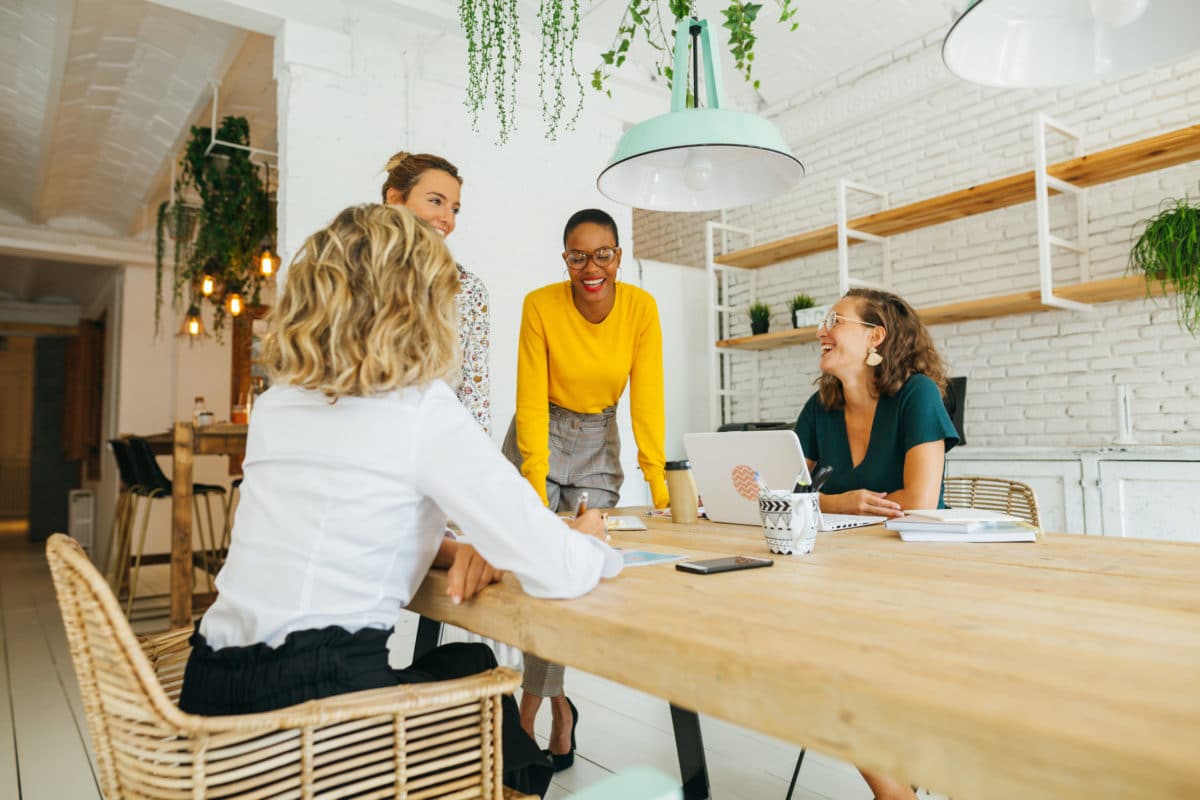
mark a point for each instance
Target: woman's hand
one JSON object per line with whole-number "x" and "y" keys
{"x": 861, "y": 501}
{"x": 592, "y": 523}
{"x": 469, "y": 574}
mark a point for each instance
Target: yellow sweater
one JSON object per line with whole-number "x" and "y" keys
{"x": 583, "y": 366}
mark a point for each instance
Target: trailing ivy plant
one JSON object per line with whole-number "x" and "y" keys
{"x": 646, "y": 17}
{"x": 234, "y": 215}
{"x": 1168, "y": 252}
{"x": 493, "y": 32}
{"x": 492, "y": 29}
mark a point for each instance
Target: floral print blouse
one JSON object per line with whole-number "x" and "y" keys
{"x": 474, "y": 336}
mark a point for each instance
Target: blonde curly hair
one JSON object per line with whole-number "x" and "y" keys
{"x": 368, "y": 307}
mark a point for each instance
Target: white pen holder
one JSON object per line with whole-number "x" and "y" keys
{"x": 789, "y": 521}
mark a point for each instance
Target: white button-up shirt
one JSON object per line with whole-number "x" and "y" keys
{"x": 344, "y": 505}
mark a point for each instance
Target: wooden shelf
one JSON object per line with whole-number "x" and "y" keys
{"x": 1129, "y": 287}
{"x": 1147, "y": 155}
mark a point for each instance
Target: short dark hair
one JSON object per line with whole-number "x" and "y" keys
{"x": 594, "y": 216}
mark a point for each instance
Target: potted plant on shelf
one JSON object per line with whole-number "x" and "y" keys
{"x": 760, "y": 318}
{"x": 801, "y": 303}
{"x": 1168, "y": 253}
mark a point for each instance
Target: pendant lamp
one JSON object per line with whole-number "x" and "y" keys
{"x": 1043, "y": 43}
{"x": 699, "y": 159}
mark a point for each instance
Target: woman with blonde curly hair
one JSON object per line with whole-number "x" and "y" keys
{"x": 878, "y": 420}
{"x": 354, "y": 458}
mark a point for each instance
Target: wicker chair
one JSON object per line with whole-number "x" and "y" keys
{"x": 993, "y": 494}
{"x": 437, "y": 740}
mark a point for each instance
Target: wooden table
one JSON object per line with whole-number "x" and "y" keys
{"x": 1063, "y": 669}
{"x": 182, "y": 445}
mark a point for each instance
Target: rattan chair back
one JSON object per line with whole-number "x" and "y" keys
{"x": 993, "y": 494}
{"x": 437, "y": 740}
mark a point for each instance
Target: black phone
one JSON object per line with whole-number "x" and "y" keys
{"x": 710, "y": 565}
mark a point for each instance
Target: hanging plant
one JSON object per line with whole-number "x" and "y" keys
{"x": 234, "y": 215}
{"x": 1168, "y": 253}
{"x": 493, "y": 36}
{"x": 492, "y": 29}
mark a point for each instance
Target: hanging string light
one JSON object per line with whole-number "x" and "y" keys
{"x": 193, "y": 324}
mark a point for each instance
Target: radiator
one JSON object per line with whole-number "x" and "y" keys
{"x": 81, "y": 517}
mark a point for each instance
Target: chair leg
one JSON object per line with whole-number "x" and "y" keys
{"x": 204, "y": 545}
{"x": 114, "y": 536}
{"x": 137, "y": 561}
{"x": 795, "y": 774}
{"x": 125, "y": 545}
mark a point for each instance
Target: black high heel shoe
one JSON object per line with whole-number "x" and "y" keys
{"x": 567, "y": 760}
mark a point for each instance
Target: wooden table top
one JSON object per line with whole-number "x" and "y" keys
{"x": 221, "y": 438}
{"x": 1066, "y": 668}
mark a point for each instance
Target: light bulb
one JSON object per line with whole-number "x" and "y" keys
{"x": 267, "y": 264}
{"x": 193, "y": 326}
{"x": 1118, "y": 13}
{"x": 697, "y": 171}
{"x": 208, "y": 285}
{"x": 234, "y": 304}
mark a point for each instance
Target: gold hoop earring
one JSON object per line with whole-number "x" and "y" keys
{"x": 873, "y": 358}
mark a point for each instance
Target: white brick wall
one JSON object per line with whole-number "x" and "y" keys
{"x": 1046, "y": 379}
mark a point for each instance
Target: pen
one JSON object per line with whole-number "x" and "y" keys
{"x": 762, "y": 487}
{"x": 583, "y": 498}
{"x": 820, "y": 477}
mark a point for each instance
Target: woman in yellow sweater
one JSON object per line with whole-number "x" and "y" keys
{"x": 581, "y": 341}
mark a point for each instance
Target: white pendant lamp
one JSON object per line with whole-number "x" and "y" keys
{"x": 1043, "y": 43}
{"x": 699, "y": 159}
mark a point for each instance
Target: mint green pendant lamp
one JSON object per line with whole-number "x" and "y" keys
{"x": 699, "y": 159}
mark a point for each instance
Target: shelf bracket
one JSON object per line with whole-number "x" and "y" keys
{"x": 1047, "y": 241}
{"x": 845, "y": 233}
{"x": 213, "y": 141}
{"x": 720, "y": 367}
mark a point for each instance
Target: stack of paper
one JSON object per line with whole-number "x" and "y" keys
{"x": 961, "y": 525}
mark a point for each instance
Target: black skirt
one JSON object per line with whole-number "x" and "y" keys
{"x": 312, "y": 664}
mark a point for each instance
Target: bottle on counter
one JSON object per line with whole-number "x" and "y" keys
{"x": 198, "y": 410}
{"x": 682, "y": 488}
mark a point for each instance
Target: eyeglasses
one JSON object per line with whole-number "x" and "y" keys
{"x": 833, "y": 319}
{"x": 578, "y": 259}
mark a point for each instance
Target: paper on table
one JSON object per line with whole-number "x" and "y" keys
{"x": 624, "y": 523}
{"x": 642, "y": 558}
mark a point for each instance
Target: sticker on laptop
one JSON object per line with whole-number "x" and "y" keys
{"x": 744, "y": 482}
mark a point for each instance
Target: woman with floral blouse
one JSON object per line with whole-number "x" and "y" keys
{"x": 429, "y": 186}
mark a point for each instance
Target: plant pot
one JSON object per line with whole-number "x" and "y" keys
{"x": 189, "y": 215}
{"x": 758, "y": 328}
{"x": 804, "y": 317}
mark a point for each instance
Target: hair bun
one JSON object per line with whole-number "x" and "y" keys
{"x": 396, "y": 160}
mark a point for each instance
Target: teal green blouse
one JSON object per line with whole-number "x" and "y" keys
{"x": 914, "y": 415}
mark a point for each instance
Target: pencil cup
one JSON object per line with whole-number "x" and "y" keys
{"x": 789, "y": 521}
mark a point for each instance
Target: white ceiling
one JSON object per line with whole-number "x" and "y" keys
{"x": 97, "y": 96}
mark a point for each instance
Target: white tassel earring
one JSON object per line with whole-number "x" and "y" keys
{"x": 873, "y": 358}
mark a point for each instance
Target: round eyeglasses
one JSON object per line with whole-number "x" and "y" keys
{"x": 833, "y": 319}
{"x": 578, "y": 259}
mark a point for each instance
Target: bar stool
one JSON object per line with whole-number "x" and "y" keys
{"x": 157, "y": 485}
{"x": 116, "y": 567}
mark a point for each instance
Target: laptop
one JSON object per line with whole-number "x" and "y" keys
{"x": 724, "y": 465}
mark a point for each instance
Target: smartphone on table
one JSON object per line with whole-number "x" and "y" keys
{"x": 709, "y": 566}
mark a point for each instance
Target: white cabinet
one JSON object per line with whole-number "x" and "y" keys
{"x": 1151, "y": 499}
{"x": 1139, "y": 492}
{"x": 1056, "y": 483}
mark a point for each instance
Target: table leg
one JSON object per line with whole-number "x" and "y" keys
{"x": 429, "y": 631}
{"x": 690, "y": 745}
{"x": 181, "y": 527}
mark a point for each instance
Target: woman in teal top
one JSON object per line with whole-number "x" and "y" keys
{"x": 877, "y": 418}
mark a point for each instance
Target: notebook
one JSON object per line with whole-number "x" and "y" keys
{"x": 962, "y": 525}
{"x": 723, "y": 465}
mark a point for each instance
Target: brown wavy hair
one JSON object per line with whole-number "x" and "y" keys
{"x": 405, "y": 169}
{"x": 368, "y": 306}
{"x": 907, "y": 349}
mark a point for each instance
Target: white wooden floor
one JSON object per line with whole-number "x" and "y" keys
{"x": 45, "y": 753}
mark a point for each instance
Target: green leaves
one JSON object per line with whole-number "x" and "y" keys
{"x": 1168, "y": 251}
{"x": 492, "y": 30}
